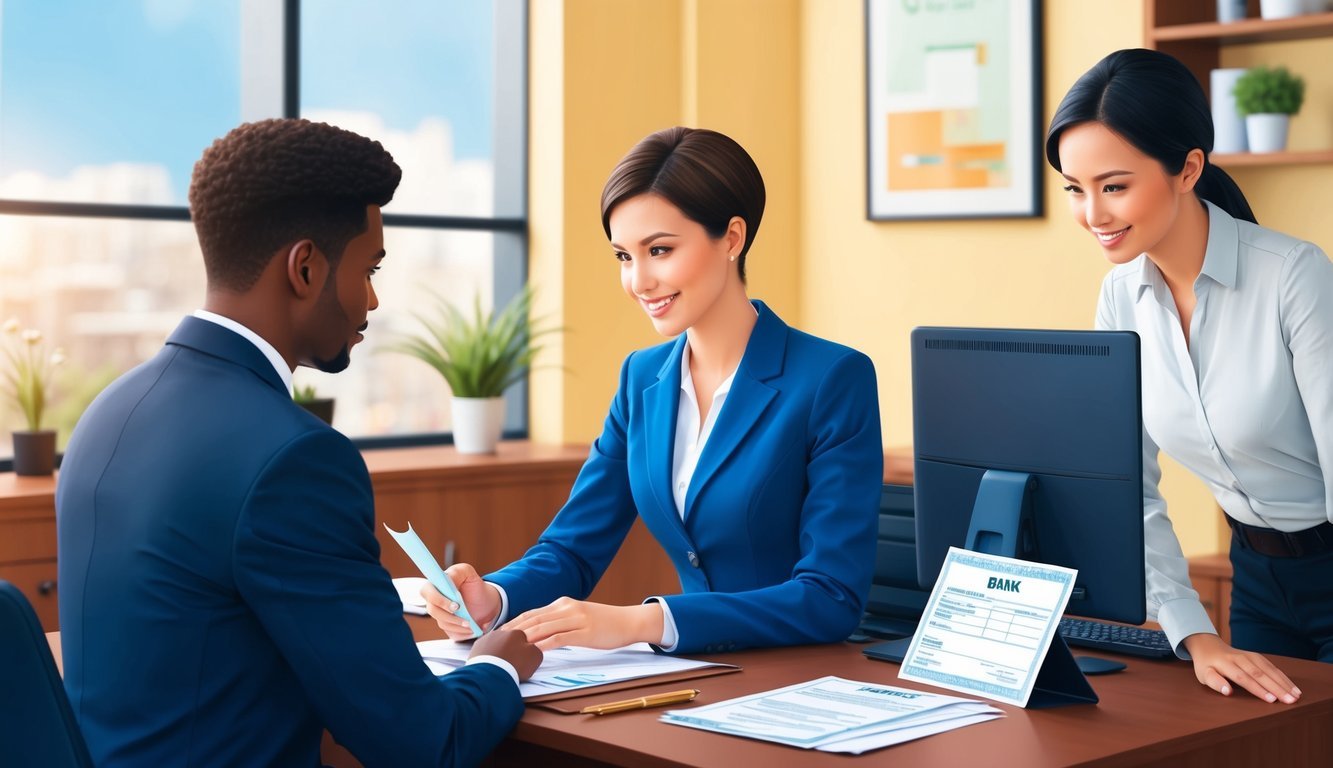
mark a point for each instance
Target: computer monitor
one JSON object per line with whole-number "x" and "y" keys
{"x": 1030, "y": 443}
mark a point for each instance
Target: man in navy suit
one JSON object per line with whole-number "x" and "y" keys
{"x": 222, "y": 599}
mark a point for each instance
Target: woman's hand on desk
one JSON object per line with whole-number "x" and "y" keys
{"x": 590, "y": 625}
{"x": 483, "y": 602}
{"x": 1216, "y": 662}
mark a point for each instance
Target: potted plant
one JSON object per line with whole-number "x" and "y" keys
{"x": 1268, "y": 98}
{"x": 479, "y": 357}
{"x": 28, "y": 377}
{"x": 320, "y": 406}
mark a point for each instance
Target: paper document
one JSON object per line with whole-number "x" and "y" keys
{"x": 836, "y": 715}
{"x": 425, "y": 562}
{"x": 987, "y": 626}
{"x": 565, "y": 669}
{"x": 409, "y": 592}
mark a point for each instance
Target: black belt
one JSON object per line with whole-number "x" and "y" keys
{"x": 1275, "y": 543}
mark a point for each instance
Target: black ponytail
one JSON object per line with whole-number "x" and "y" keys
{"x": 1218, "y": 188}
{"x": 1154, "y": 102}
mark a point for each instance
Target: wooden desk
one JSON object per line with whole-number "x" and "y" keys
{"x": 1154, "y": 713}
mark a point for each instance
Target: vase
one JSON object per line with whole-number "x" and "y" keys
{"x": 321, "y": 407}
{"x": 1267, "y": 132}
{"x": 35, "y": 452}
{"x": 1228, "y": 124}
{"x": 478, "y": 422}
{"x": 1230, "y": 10}
{"x": 1281, "y": 9}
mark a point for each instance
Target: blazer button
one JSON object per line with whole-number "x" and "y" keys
{"x": 693, "y": 558}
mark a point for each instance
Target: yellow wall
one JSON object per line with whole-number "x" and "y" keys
{"x": 606, "y": 73}
{"x": 786, "y": 78}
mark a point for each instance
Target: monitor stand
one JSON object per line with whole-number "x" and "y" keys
{"x": 1002, "y": 525}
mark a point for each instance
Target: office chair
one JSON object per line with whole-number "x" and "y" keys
{"x": 896, "y": 600}
{"x": 37, "y": 726}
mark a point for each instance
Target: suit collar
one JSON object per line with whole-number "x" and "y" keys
{"x": 764, "y": 352}
{"x": 750, "y": 396}
{"x": 213, "y": 339}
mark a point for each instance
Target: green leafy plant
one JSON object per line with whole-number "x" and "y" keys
{"x": 29, "y": 370}
{"x": 304, "y": 394}
{"x": 1269, "y": 91}
{"x": 480, "y": 355}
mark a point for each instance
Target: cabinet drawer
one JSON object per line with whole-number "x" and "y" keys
{"x": 37, "y": 582}
{"x": 27, "y": 539}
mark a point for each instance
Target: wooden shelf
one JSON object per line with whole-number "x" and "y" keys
{"x": 1304, "y": 27}
{"x": 1260, "y": 159}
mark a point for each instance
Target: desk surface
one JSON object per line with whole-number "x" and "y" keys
{"x": 1153, "y": 712}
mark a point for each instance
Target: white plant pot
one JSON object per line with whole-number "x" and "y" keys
{"x": 478, "y": 422}
{"x": 1267, "y": 132}
{"x": 1281, "y": 9}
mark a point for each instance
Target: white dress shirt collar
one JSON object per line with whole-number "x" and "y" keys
{"x": 274, "y": 358}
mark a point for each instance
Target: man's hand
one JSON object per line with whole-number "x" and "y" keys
{"x": 513, "y": 647}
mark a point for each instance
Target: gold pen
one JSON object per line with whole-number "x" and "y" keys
{"x": 656, "y": 700}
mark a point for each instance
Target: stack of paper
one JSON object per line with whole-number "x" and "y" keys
{"x": 836, "y": 715}
{"x": 568, "y": 668}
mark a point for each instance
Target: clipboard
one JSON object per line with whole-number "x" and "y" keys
{"x": 570, "y": 702}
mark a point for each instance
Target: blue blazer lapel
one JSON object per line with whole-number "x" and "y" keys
{"x": 747, "y": 401}
{"x": 212, "y": 339}
{"x": 661, "y": 403}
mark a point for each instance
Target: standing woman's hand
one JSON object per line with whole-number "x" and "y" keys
{"x": 1216, "y": 662}
{"x": 482, "y": 599}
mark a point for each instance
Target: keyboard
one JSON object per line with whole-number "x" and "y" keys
{"x": 1117, "y": 638}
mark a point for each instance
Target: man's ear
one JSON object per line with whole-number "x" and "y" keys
{"x": 306, "y": 269}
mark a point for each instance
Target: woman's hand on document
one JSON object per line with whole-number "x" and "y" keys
{"x": 513, "y": 647}
{"x": 590, "y": 625}
{"x": 483, "y": 602}
{"x": 1216, "y": 663}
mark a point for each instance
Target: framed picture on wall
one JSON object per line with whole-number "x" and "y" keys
{"x": 953, "y": 109}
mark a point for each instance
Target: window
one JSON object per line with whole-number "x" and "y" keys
{"x": 105, "y": 107}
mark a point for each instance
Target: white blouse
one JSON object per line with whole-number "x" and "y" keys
{"x": 1246, "y": 405}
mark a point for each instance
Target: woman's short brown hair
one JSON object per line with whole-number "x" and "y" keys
{"x": 705, "y": 174}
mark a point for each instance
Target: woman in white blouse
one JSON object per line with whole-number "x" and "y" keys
{"x": 1236, "y": 323}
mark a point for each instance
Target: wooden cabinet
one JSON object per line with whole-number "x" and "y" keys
{"x": 28, "y": 542}
{"x": 487, "y": 511}
{"x": 1211, "y": 576}
{"x": 1189, "y": 30}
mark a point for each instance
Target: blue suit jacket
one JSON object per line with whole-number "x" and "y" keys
{"x": 221, "y": 595}
{"x": 778, "y": 542}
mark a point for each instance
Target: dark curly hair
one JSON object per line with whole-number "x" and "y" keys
{"x": 268, "y": 184}
{"x": 705, "y": 174}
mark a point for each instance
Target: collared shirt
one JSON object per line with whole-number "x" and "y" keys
{"x": 1246, "y": 405}
{"x": 278, "y": 363}
{"x": 691, "y": 436}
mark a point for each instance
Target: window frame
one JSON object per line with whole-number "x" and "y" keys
{"x": 510, "y": 130}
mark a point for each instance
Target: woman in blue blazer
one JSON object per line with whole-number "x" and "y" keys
{"x": 751, "y": 450}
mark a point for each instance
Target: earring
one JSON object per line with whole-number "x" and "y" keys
{"x": 733, "y": 258}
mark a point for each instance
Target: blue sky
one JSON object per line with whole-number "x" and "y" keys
{"x": 155, "y": 81}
